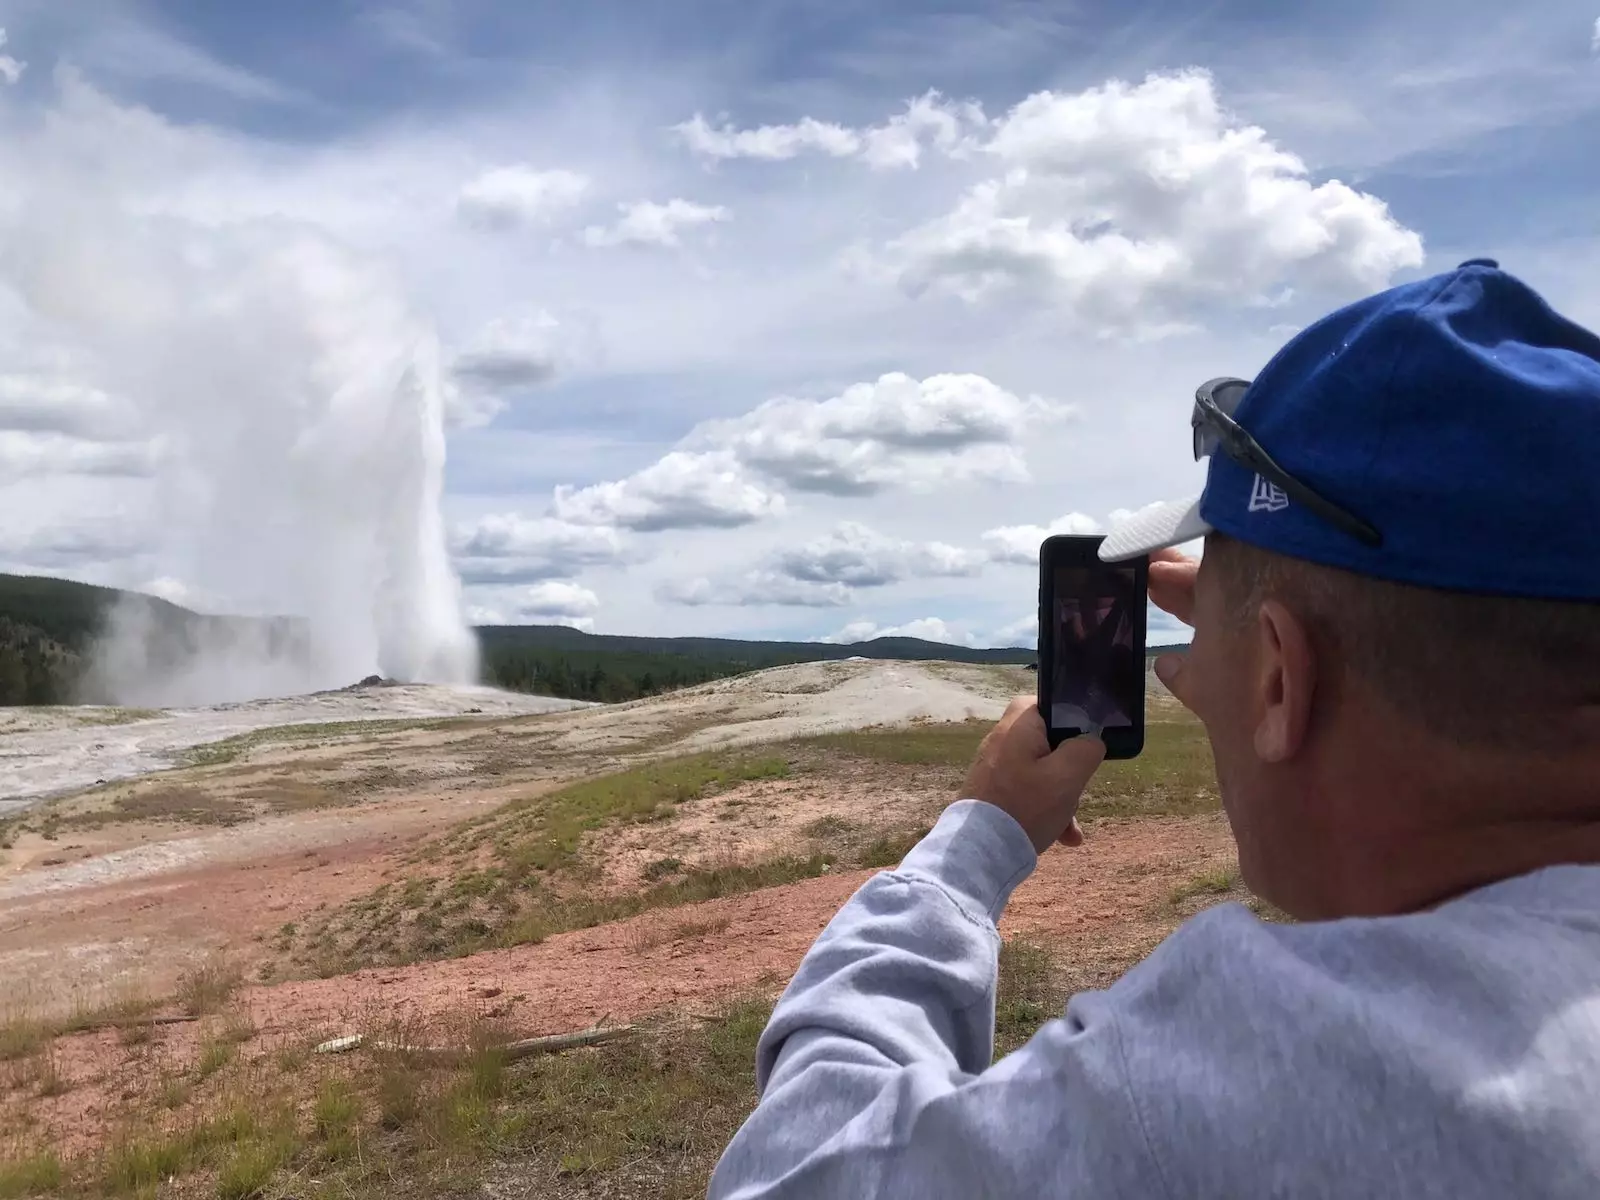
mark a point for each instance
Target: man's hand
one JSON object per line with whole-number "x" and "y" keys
{"x": 1016, "y": 771}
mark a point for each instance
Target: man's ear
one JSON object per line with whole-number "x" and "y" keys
{"x": 1285, "y": 682}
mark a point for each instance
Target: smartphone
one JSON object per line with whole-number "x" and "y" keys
{"x": 1091, "y": 644}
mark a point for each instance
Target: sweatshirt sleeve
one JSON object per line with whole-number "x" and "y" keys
{"x": 875, "y": 1068}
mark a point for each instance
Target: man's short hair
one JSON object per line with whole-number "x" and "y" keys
{"x": 1466, "y": 666}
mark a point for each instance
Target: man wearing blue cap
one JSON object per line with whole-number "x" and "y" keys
{"x": 1397, "y": 660}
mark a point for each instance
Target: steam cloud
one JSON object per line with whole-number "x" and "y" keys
{"x": 294, "y": 405}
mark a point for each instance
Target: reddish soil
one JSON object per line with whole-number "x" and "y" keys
{"x": 1099, "y": 907}
{"x": 693, "y": 955}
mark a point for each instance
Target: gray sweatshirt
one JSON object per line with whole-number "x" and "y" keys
{"x": 1451, "y": 1053}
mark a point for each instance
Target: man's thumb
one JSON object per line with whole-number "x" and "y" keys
{"x": 1075, "y": 760}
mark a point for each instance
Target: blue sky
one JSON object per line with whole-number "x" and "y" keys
{"x": 760, "y": 319}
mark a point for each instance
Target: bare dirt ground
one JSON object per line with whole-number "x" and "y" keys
{"x": 189, "y": 861}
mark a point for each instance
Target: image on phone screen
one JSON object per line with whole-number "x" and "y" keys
{"x": 1097, "y": 679}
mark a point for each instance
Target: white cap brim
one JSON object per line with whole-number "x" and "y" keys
{"x": 1154, "y": 528}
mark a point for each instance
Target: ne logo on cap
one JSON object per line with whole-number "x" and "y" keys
{"x": 1266, "y": 496}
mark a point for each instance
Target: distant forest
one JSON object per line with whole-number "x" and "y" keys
{"x": 552, "y": 660}
{"x": 47, "y": 627}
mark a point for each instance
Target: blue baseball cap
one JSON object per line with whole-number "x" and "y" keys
{"x": 1458, "y": 417}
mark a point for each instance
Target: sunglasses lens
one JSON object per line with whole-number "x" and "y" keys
{"x": 1227, "y": 396}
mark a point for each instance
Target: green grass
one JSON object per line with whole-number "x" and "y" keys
{"x": 115, "y": 716}
{"x": 215, "y": 1054}
{"x": 1207, "y": 884}
{"x": 22, "y": 1036}
{"x": 37, "y": 1174}
{"x": 943, "y": 745}
{"x": 245, "y": 1142}
{"x": 1029, "y": 994}
{"x": 543, "y": 833}
{"x": 673, "y": 1100}
{"x": 1174, "y": 775}
{"x": 336, "y": 1119}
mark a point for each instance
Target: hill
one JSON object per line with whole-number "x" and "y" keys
{"x": 47, "y": 627}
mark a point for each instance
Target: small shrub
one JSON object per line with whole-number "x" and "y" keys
{"x": 33, "y": 1175}
{"x": 215, "y": 1053}
{"x": 140, "y": 1164}
{"x": 827, "y": 828}
{"x": 51, "y": 1081}
{"x": 399, "y": 1096}
{"x": 661, "y": 868}
{"x": 206, "y": 987}
{"x": 334, "y": 1119}
{"x": 887, "y": 851}
{"x": 248, "y": 1173}
{"x": 20, "y": 1037}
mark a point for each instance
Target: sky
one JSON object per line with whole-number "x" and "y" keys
{"x": 757, "y": 319}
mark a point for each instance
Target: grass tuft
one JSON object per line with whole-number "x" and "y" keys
{"x": 206, "y": 987}
{"x": 1029, "y": 994}
{"x": 1207, "y": 885}
{"x": 32, "y": 1175}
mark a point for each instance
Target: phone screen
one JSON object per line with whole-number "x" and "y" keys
{"x": 1096, "y": 678}
{"x": 1091, "y": 644}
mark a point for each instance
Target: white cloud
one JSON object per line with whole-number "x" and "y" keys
{"x": 555, "y": 602}
{"x": 896, "y": 143}
{"x": 516, "y": 196}
{"x": 897, "y": 431}
{"x": 174, "y": 591}
{"x": 1022, "y": 632}
{"x": 507, "y": 355}
{"x": 512, "y": 548}
{"x": 754, "y": 588}
{"x": 928, "y": 629}
{"x": 55, "y": 547}
{"x": 646, "y": 223}
{"x": 559, "y": 598}
{"x": 854, "y": 555}
{"x": 1594, "y": 38}
{"x": 824, "y": 571}
{"x": 40, "y": 404}
{"x": 683, "y": 490}
{"x": 1019, "y": 544}
{"x": 1134, "y": 207}
{"x": 510, "y": 354}
{"x": 25, "y": 454}
{"x": 10, "y": 69}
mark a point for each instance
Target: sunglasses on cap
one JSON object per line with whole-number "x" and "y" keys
{"x": 1215, "y": 430}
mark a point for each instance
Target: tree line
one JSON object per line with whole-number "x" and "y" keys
{"x": 605, "y": 676}
{"x": 33, "y": 669}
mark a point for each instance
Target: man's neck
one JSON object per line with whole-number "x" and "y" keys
{"x": 1415, "y": 834}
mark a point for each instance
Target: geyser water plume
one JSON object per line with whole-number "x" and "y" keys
{"x": 295, "y": 402}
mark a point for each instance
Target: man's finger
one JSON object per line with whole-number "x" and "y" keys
{"x": 1072, "y": 835}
